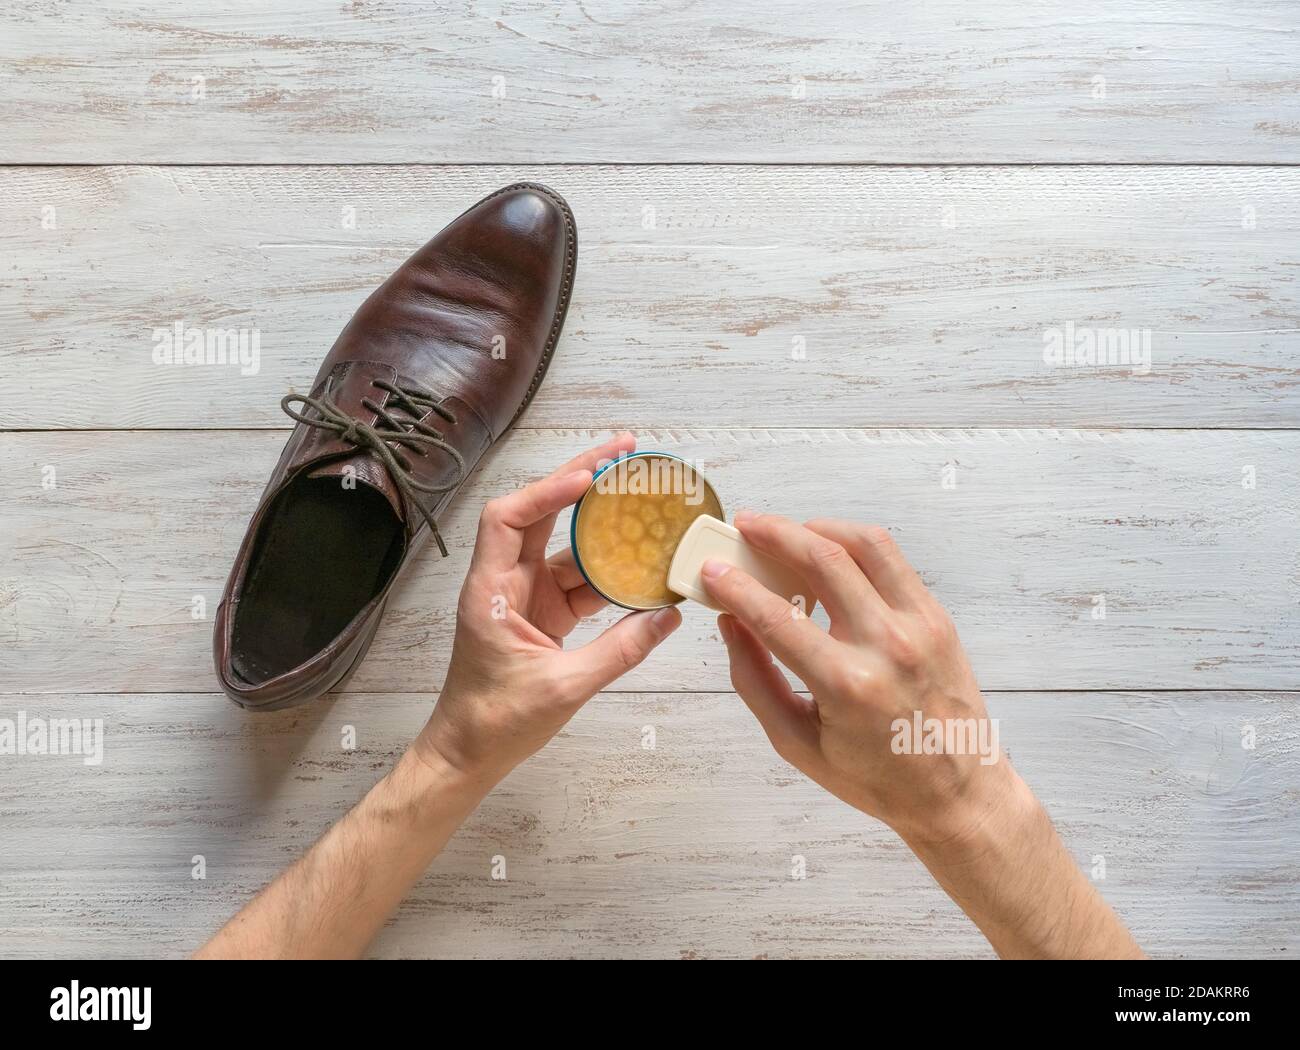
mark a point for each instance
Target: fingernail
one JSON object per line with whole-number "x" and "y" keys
{"x": 744, "y": 515}
{"x": 724, "y": 629}
{"x": 714, "y": 569}
{"x": 666, "y": 620}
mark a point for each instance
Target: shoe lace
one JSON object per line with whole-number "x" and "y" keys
{"x": 408, "y": 432}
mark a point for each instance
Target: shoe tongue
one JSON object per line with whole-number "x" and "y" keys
{"x": 368, "y": 471}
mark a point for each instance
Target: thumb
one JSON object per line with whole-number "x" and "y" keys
{"x": 620, "y": 648}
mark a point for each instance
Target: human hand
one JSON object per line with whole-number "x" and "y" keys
{"x": 511, "y": 685}
{"x": 891, "y": 651}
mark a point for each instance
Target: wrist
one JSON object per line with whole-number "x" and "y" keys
{"x": 428, "y": 782}
{"x": 997, "y": 811}
{"x": 1009, "y": 871}
{"x": 449, "y": 752}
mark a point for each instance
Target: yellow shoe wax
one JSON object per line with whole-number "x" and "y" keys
{"x": 627, "y": 526}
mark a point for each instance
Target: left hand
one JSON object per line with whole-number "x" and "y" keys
{"x": 511, "y": 685}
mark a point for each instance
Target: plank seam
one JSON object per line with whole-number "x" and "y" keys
{"x": 654, "y": 164}
{"x": 693, "y": 427}
{"x": 649, "y": 691}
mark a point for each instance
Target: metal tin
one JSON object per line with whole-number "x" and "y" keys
{"x": 577, "y": 512}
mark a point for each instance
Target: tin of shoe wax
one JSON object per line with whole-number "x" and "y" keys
{"x": 627, "y": 526}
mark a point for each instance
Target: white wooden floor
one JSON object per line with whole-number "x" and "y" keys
{"x": 822, "y": 247}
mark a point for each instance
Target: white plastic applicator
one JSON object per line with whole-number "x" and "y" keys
{"x": 710, "y": 538}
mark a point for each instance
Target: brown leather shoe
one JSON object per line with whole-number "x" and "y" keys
{"x": 434, "y": 367}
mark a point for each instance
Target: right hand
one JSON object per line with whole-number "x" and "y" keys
{"x": 891, "y": 651}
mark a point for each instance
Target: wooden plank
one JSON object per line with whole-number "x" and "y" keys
{"x": 1127, "y": 80}
{"x": 1198, "y": 573}
{"x": 918, "y": 297}
{"x": 611, "y": 849}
